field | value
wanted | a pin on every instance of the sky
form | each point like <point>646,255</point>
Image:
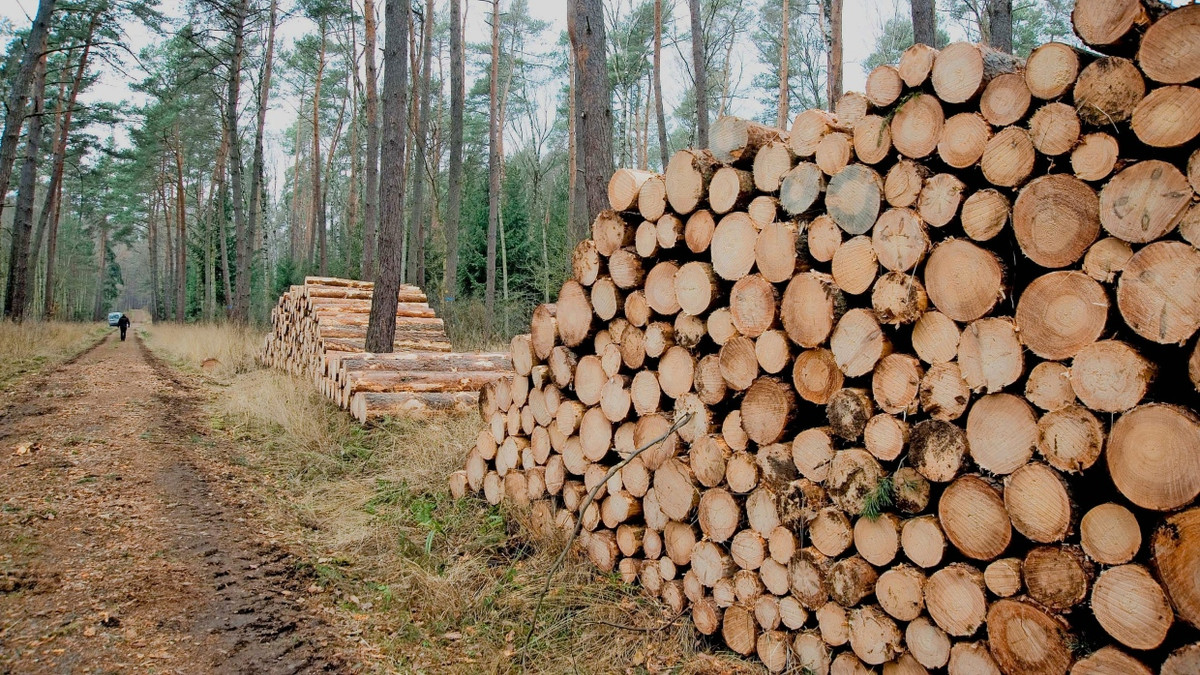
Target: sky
<point>863,21</point>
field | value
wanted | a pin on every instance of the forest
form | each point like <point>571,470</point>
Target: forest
<point>249,145</point>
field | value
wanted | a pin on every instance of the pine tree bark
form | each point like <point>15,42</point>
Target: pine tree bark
<point>416,262</point>
<point>834,76</point>
<point>316,221</point>
<point>700,75</point>
<point>256,177</point>
<point>494,132</point>
<point>593,108</point>
<point>241,236</point>
<point>381,328</point>
<point>14,118</point>
<point>664,149</point>
<point>371,190</point>
<point>781,116</point>
<point>18,259</point>
<point>1000,24</point>
<point>454,196</point>
<point>923,22</point>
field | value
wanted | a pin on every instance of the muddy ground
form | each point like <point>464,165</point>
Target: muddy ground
<point>125,548</point>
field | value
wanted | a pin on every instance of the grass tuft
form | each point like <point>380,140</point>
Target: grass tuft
<point>32,345</point>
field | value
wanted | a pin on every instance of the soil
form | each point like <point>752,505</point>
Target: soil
<point>124,547</point>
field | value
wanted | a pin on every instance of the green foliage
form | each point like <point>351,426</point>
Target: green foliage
<point>897,35</point>
<point>878,499</point>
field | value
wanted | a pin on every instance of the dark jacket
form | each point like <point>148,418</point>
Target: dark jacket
<point>123,322</point>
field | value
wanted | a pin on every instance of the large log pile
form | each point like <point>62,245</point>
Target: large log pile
<point>935,348</point>
<point>318,331</point>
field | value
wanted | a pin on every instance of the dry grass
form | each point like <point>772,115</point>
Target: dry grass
<point>430,583</point>
<point>33,345</point>
<point>220,350</point>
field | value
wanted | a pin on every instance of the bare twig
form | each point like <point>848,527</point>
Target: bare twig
<point>591,496</point>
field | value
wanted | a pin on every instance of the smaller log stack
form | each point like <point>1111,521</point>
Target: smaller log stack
<point>318,331</point>
<point>939,348</point>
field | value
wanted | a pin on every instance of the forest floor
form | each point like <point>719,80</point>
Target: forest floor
<point>171,507</point>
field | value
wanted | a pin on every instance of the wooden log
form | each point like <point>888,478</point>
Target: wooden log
<point>1144,202</point>
<point>1107,91</point>
<point>939,200</point>
<point>368,406</point>
<point>611,232</point>
<point>955,599</point>
<point>854,265</point>
<point>1008,158</point>
<point>1105,258</point>
<point>1094,157</point>
<point>812,451</point>
<point>990,355</point>
<point>936,449</point>
<point>1003,577</point>
<point>652,198</point>
<point>885,436</point>
<point>748,548</point>
<point>848,411</point>
<point>834,622</point>
<point>973,517</point>
<point>776,251</point>
<point>874,636</point>
<point>1151,456</point>
<point>1111,661</point>
<point>899,298</point>
<point>660,336</point>
<point>903,182</point>
<point>543,330</point>
<point>1051,69</point>
<point>739,630</point>
<point>732,246</point>
<point>928,643</point>
<point>773,352</point>
<point>624,186</point>
<point>831,532</point>
<point>1106,24</point>
<point>961,69</point>
<point>1061,313</point>
<point>687,178</point>
<point>1054,128</point>
<point>900,591</point>
<point>1057,577</point>
<point>883,86</point>
<point>1060,204</point>
<point>1158,276</point>
<point>800,187</point>
<point>854,477</point>
<point>767,408</point>
<point>963,280</point>
<point>645,239</point>
<point>1163,119</point>
<point>772,649</point>
<point>1131,607</point>
<point>1110,376</point>
<point>872,139</point>
<point>877,540</point>
<point>753,305</point>
<point>915,64</point>
<point>1168,53</point>
<point>917,126</point>
<point>1184,660</point>
<point>738,363</point>
<point>1048,386</point>
<point>857,342</point>
<point>660,288</point>
<point>668,231</point>
<point>1005,100</point>
<point>971,658</point>
<point>807,130</point>
<point>719,326</point>
<point>824,238</point>
<point>1025,639</point>
<point>735,140</point>
<point>1002,433</point>
<point>963,140</point>
<point>899,239</point>
<point>1038,503</point>
<point>853,198</point>
<point>1174,554</point>
<point>834,152</point>
<point>935,338</point>
<point>773,160</point>
<point>763,210</point>
<point>944,394</point>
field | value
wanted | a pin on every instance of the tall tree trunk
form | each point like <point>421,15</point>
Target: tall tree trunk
<point>18,259</point>
<point>454,197</point>
<point>664,150</point>
<point>593,108</point>
<point>700,75</point>
<point>781,115</point>
<point>152,245</point>
<point>51,205</point>
<point>1000,27</point>
<point>414,107</point>
<point>833,38</point>
<point>241,236</point>
<point>494,132</point>
<point>924,31</point>
<point>576,201</point>
<point>18,95</point>
<point>298,240</point>
<point>98,307</point>
<point>169,257</point>
<point>181,233</point>
<point>317,217</point>
<point>371,191</point>
<point>381,327</point>
<point>256,176</point>
<point>416,263</point>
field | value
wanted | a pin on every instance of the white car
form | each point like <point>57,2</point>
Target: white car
<point>113,318</point>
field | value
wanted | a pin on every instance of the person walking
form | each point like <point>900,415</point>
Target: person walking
<point>123,324</point>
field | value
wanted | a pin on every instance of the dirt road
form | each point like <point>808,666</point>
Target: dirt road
<point>120,550</point>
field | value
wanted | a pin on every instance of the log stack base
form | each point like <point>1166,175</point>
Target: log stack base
<point>942,419</point>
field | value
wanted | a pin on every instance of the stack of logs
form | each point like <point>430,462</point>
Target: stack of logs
<point>936,348</point>
<point>318,330</point>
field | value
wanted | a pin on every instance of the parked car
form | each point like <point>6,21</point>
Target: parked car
<point>113,318</point>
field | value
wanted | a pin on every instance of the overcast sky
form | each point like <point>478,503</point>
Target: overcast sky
<point>863,21</point>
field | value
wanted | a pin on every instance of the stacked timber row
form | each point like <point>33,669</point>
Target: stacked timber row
<point>939,353</point>
<point>318,330</point>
